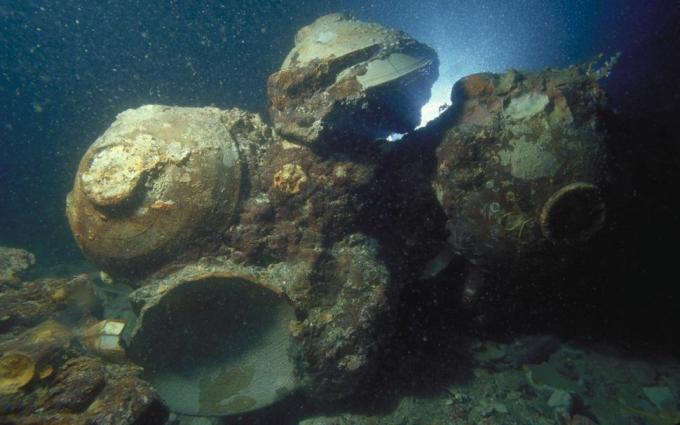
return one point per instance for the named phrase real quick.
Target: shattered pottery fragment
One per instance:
(104, 339)
(14, 263)
(214, 343)
(158, 179)
(521, 166)
(345, 77)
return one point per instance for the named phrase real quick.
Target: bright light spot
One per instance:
(394, 137)
(440, 99)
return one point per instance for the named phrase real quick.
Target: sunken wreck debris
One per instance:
(522, 167)
(266, 264)
(350, 79)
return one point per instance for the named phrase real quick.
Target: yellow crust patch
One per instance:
(16, 370)
(290, 179)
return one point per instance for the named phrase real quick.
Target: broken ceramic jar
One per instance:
(159, 179)
(267, 331)
(348, 78)
(214, 340)
(521, 167)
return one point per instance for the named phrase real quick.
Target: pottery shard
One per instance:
(345, 77)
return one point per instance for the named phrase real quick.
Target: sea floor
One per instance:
(566, 383)
(524, 379)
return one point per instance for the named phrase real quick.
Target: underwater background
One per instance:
(68, 68)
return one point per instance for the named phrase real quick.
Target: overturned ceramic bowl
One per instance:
(214, 343)
(156, 180)
(349, 77)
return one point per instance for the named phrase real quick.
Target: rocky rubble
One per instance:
(32, 302)
(46, 372)
(14, 263)
(85, 391)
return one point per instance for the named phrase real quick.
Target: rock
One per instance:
(13, 264)
(520, 167)
(486, 408)
(344, 327)
(662, 397)
(77, 385)
(329, 420)
(127, 400)
(643, 372)
(346, 78)
(30, 303)
(545, 377)
(491, 353)
(533, 349)
(561, 401)
(158, 179)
